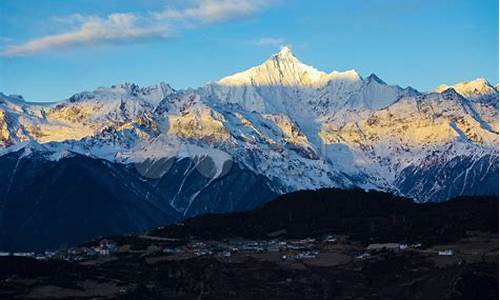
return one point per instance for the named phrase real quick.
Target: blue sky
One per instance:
(52, 49)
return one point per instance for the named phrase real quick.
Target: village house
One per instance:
(24, 254)
(416, 246)
(330, 239)
(40, 257)
(363, 256)
(447, 252)
(106, 247)
(104, 251)
(307, 254)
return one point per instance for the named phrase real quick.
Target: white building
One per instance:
(24, 254)
(447, 252)
(104, 251)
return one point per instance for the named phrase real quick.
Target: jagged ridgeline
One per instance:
(134, 157)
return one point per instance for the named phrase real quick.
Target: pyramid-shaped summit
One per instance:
(285, 69)
(285, 55)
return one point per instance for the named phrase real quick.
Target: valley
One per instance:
(185, 261)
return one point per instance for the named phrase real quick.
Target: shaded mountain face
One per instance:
(46, 204)
(233, 144)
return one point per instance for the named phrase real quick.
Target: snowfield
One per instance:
(298, 127)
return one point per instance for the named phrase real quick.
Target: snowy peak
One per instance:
(283, 84)
(471, 89)
(299, 127)
(451, 94)
(285, 55)
(151, 94)
(285, 69)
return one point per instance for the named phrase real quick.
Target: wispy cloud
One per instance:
(116, 27)
(119, 27)
(213, 10)
(270, 41)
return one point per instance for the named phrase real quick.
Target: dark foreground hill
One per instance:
(305, 245)
(45, 204)
(364, 216)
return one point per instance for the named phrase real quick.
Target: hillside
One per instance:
(333, 244)
(363, 216)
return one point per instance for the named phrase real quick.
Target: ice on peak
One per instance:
(127, 91)
(480, 80)
(133, 88)
(350, 75)
(285, 54)
(285, 69)
(285, 50)
(471, 89)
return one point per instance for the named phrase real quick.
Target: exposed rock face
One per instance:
(278, 127)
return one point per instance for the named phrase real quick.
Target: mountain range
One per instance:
(127, 158)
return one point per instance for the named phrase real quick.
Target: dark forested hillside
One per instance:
(365, 216)
(324, 244)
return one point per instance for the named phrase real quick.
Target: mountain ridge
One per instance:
(323, 130)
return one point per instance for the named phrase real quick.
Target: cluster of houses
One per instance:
(105, 247)
(296, 249)
(392, 247)
(23, 254)
(301, 255)
(289, 249)
(396, 247)
(46, 255)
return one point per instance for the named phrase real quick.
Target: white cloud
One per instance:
(270, 41)
(213, 10)
(73, 19)
(118, 27)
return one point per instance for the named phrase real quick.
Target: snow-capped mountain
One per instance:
(277, 127)
(283, 84)
(479, 90)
